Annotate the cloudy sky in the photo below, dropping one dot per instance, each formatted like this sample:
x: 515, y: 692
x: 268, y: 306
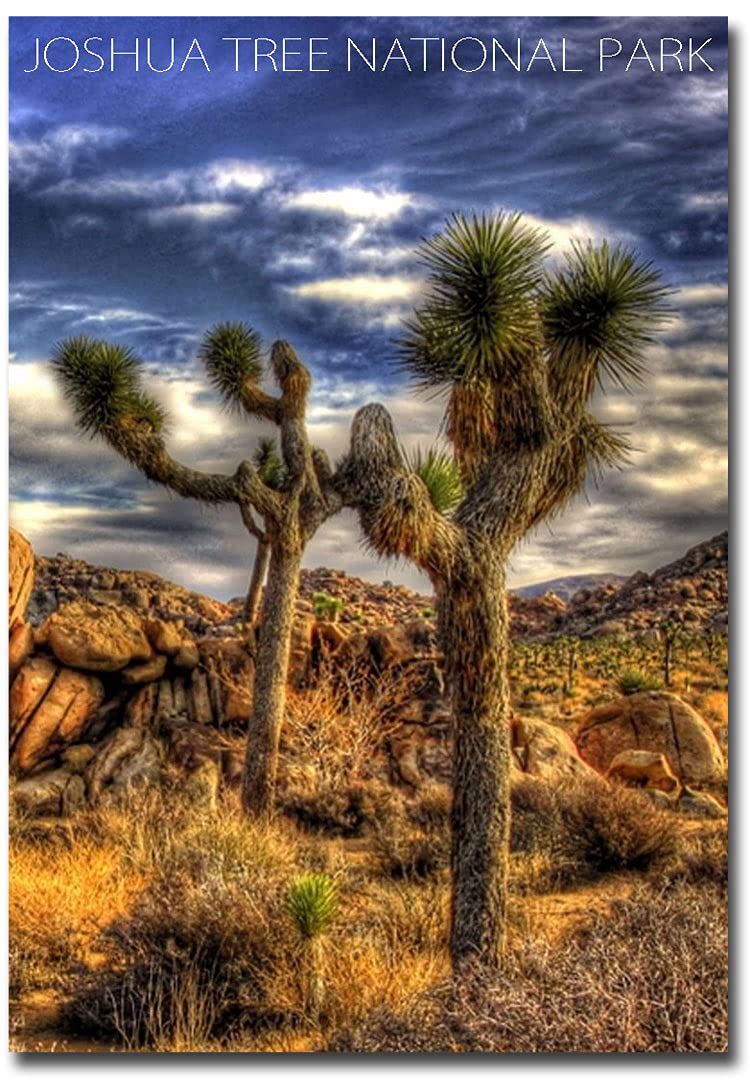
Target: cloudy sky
x: 145, y: 207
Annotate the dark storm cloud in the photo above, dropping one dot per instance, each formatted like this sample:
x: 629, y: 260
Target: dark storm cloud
x: 145, y: 208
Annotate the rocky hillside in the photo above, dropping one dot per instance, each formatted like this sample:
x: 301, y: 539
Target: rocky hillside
x: 692, y: 589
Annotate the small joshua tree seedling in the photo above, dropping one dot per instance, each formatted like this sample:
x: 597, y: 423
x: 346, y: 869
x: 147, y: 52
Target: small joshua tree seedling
x: 282, y: 504
x: 670, y: 635
x: 327, y: 608
x: 313, y: 903
x: 519, y: 351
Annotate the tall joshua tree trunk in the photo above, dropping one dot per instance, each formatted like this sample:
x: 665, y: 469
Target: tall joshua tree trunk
x: 271, y: 668
x: 474, y: 634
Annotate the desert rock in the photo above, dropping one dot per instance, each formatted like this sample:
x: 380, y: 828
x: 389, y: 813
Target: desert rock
x: 643, y: 768
x: 656, y: 721
x: 50, y: 707
x: 543, y: 750
x: 96, y: 637
x: 20, y: 577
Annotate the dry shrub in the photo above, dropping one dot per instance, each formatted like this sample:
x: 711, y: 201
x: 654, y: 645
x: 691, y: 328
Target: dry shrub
x: 704, y: 857
x: 344, y: 721
x: 190, y: 961
x: 650, y: 977
x: 587, y: 828
x: 411, y: 840
x: 348, y: 810
x: 335, y: 744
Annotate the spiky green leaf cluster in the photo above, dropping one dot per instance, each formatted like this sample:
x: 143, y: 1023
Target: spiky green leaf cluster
x: 479, y: 318
x: 599, y: 313
x: 102, y: 382
x: 313, y: 903
x: 231, y: 352
x: 441, y: 476
x: 269, y: 463
x: 601, y: 446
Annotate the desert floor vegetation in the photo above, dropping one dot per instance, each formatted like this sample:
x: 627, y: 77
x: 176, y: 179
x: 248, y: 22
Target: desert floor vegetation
x: 164, y: 921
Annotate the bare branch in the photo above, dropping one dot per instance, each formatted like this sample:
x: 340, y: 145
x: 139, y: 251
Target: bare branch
x: 137, y: 442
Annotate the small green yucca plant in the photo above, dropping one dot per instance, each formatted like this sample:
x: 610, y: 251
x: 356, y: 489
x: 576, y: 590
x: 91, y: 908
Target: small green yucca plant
x: 313, y: 902
x: 632, y: 681
x: 441, y: 476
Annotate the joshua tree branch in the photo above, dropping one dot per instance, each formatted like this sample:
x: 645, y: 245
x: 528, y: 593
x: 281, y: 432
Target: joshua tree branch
x: 258, y: 403
x: 145, y: 449
x: 251, y: 524
x: 294, y: 380
x: 252, y: 490
x: 393, y: 503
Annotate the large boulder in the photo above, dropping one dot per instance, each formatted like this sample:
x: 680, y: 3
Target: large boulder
x: 57, y: 791
x: 644, y: 769
x: 656, y: 721
x: 20, y: 647
x: 541, y: 749
x: 50, y: 707
x: 20, y: 577
x: 96, y: 637
x: 368, y: 655
x: 229, y: 679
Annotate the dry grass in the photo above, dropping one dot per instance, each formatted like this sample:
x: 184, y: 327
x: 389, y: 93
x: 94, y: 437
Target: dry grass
x: 166, y: 924
x: 184, y: 924
x: 59, y: 899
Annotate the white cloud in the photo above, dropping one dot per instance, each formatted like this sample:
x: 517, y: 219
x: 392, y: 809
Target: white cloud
x: 692, y: 295
x: 232, y: 176
x: 199, y: 212
x: 364, y: 204
x: 363, y: 289
x: 707, y: 200
x: 212, y: 183
x: 126, y: 315
x: 563, y: 231
x: 707, y: 97
x: 59, y: 149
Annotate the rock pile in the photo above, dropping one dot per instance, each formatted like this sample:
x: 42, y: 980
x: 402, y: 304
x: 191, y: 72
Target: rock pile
x: 116, y: 675
x: 692, y: 590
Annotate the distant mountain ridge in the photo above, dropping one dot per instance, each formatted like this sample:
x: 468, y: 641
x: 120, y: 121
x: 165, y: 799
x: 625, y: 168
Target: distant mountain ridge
x: 566, y: 587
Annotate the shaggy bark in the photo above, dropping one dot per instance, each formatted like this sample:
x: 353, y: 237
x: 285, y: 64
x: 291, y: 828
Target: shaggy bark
x: 267, y: 713
x: 474, y: 633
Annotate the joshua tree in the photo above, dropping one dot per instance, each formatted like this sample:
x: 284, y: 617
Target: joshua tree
x: 518, y: 354
x: 104, y: 385
x: 671, y: 634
